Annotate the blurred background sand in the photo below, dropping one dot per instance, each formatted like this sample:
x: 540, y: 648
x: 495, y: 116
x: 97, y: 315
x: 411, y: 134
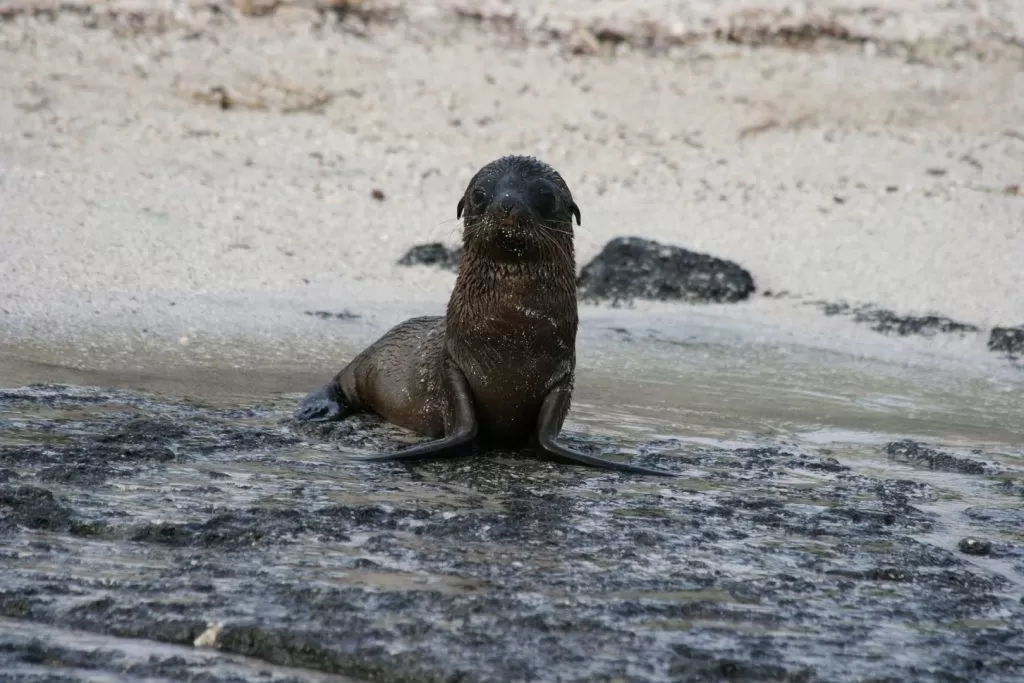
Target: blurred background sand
x: 182, y: 181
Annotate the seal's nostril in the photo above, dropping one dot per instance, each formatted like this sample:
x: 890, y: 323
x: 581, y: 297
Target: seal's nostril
x: 511, y: 205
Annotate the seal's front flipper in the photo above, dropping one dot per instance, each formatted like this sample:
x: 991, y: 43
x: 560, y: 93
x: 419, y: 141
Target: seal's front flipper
x: 323, y: 405
x: 552, y: 412
x: 563, y: 454
x: 460, y: 425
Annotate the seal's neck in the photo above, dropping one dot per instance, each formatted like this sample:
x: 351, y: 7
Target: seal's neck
x: 496, y: 283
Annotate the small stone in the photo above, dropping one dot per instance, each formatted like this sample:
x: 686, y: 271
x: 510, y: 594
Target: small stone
x: 1007, y: 339
x: 377, y: 194
x: 208, y: 638
x: 975, y: 546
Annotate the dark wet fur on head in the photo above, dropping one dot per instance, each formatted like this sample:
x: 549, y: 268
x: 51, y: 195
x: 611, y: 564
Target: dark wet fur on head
x: 519, y: 208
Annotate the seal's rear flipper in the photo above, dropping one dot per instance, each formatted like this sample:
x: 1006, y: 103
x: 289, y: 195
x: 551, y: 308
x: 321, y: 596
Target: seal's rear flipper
x: 326, y: 404
x: 555, y: 406
x: 448, y: 447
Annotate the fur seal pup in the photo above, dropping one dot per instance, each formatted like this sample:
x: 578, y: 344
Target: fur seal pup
x: 497, y: 370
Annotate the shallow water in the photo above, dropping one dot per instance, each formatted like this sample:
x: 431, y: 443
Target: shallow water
x: 186, y: 499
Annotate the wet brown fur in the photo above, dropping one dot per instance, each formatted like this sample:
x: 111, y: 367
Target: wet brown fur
x: 510, y: 327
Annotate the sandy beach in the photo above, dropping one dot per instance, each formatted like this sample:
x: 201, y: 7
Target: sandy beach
x: 137, y: 211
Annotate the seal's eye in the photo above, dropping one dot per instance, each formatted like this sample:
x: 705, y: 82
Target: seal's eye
x: 545, y: 202
x: 479, y: 197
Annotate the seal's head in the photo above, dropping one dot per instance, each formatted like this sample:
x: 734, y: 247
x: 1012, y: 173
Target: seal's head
x: 518, y: 206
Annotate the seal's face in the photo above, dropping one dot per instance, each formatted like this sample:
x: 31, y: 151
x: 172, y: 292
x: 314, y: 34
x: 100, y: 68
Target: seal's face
x: 518, y: 205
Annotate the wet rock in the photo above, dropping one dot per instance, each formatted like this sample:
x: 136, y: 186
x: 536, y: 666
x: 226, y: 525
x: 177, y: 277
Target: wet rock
x: 1007, y: 488
x: 92, y: 461
x: 913, y: 453
x: 888, y: 322
x: 1008, y: 519
x: 77, y: 473
x: 126, y: 620
x: 692, y: 664
x: 974, y: 546
x: 246, y: 528
x: 896, y: 497
x: 30, y: 652
x: 144, y: 431
x: 631, y: 268
x: 758, y: 564
x: 226, y: 438
x: 33, y: 508
x: 37, y: 508
x: 1007, y: 339
x: 35, y: 652
x: 1007, y: 550
x: 433, y: 254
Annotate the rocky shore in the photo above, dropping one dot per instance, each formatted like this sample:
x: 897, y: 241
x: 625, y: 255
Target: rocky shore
x: 132, y: 516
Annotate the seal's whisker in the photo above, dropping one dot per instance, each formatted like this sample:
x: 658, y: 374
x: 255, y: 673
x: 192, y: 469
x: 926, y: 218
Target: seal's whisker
x: 549, y: 227
x: 451, y: 229
x: 562, y: 251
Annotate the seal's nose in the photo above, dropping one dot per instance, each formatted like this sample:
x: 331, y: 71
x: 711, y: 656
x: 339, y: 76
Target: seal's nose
x: 510, y: 208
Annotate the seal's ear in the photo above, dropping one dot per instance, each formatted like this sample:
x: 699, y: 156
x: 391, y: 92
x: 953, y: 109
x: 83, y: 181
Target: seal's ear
x: 461, y: 206
x: 575, y: 212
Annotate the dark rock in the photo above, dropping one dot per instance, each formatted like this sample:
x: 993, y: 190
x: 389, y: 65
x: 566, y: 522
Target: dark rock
x: 144, y: 431
x: 39, y: 653
x: 77, y: 473
x: 37, y: 508
x: 913, y: 453
x: 33, y: 508
x: 975, y: 546
x: 433, y: 254
x: 631, y: 267
x: 1007, y: 488
x: 340, y: 315
x: 886, y: 321
x: 1007, y: 550
x: 1007, y: 339
x: 244, y: 528
x: 247, y: 439
x: 1008, y: 519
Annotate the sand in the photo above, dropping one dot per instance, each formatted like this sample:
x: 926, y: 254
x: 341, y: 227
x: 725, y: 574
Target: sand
x: 142, y: 220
